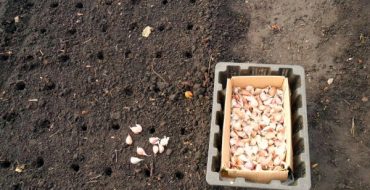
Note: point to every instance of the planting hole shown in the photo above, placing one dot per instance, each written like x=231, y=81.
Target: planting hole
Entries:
x=189, y=26
x=146, y=172
x=192, y=1
x=135, y=2
x=161, y=28
x=127, y=91
x=152, y=130
x=4, y=56
x=9, y=116
x=72, y=31
x=79, y=5
x=188, y=55
x=115, y=126
x=20, y=85
x=39, y=162
x=83, y=127
x=54, y=5
x=127, y=53
x=42, y=30
x=158, y=54
x=100, y=55
x=108, y=171
x=17, y=187
x=133, y=26
x=63, y=58
x=104, y=28
x=182, y=131
x=179, y=175
x=75, y=167
x=164, y=2
x=4, y=164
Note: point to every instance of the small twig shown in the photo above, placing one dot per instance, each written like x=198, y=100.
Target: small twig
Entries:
x=94, y=181
x=42, y=54
x=86, y=41
x=157, y=73
x=96, y=177
x=152, y=168
x=346, y=102
x=353, y=128
x=115, y=151
x=54, y=134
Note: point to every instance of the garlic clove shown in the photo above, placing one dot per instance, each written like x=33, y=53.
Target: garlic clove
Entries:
x=140, y=151
x=161, y=148
x=137, y=129
x=164, y=141
x=155, y=149
x=129, y=140
x=135, y=160
x=154, y=140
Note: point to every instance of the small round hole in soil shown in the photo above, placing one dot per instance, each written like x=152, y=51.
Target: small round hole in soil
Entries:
x=63, y=58
x=164, y=2
x=75, y=167
x=135, y=2
x=192, y=1
x=17, y=187
x=108, y=171
x=100, y=55
x=152, y=130
x=20, y=85
x=42, y=30
x=161, y=28
x=79, y=5
x=104, y=28
x=179, y=175
x=4, y=164
x=4, y=57
x=189, y=26
x=115, y=126
x=146, y=172
x=54, y=5
x=133, y=26
x=127, y=91
x=127, y=53
x=182, y=131
x=83, y=127
x=39, y=162
x=72, y=31
x=188, y=55
x=158, y=55
x=29, y=58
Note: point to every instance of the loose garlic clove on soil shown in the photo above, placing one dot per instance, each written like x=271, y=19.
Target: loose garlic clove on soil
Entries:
x=154, y=140
x=129, y=139
x=155, y=149
x=137, y=129
x=161, y=148
x=135, y=160
x=140, y=151
x=164, y=141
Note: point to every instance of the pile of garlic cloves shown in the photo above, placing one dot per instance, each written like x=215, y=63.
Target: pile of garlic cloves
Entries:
x=257, y=132
x=158, y=144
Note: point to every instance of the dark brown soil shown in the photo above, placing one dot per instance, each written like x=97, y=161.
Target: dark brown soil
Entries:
x=94, y=75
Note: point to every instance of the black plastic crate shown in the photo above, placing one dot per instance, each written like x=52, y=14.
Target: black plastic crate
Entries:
x=300, y=178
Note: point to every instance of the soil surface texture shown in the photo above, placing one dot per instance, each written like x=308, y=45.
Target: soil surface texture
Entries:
x=75, y=75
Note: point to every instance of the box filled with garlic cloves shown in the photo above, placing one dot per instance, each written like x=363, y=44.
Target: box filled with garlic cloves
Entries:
x=257, y=137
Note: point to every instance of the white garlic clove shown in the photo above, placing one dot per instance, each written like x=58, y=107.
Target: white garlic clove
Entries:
x=137, y=129
x=140, y=151
x=154, y=140
x=135, y=160
x=155, y=149
x=164, y=141
x=252, y=101
x=161, y=148
x=129, y=140
x=239, y=151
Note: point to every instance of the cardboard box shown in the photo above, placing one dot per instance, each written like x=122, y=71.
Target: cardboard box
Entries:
x=257, y=82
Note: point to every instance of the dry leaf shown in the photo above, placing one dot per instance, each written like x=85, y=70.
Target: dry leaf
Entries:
x=146, y=32
x=365, y=99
